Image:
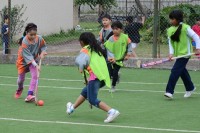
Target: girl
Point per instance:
(31, 45)
(180, 36)
(91, 59)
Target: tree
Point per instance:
(16, 21)
(138, 3)
(103, 4)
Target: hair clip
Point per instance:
(181, 23)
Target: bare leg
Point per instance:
(79, 101)
(104, 106)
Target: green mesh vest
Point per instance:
(184, 46)
(99, 66)
(118, 48)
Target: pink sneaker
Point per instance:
(30, 98)
(18, 93)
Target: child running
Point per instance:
(118, 49)
(180, 36)
(106, 31)
(132, 29)
(91, 60)
(32, 47)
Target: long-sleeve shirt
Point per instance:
(190, 34)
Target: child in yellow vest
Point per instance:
(119, 48)
(91, 60)
(180, 37)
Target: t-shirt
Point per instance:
(133, 31)
(196, 29)
(5, 37)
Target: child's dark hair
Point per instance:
(178, 15)
(89, 38)
(106, 16)
(6, 17)
(129, 19)
(29, 27)
(117, 24)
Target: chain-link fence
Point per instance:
(61, 23)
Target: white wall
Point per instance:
(49, 15)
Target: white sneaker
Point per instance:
(112, 116)
(70, 108)
(168, 95)
(112, 89)
(189, 93)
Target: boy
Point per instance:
(5, 36)
(118, 49)
(106, 31)
(132, 29)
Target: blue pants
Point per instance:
(179, 70)
(90, 92)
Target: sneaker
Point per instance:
(30, 98)
(70, 108)
(168, 95)
(112, 89)
(18, 93)
(189, 93)
(112, 116)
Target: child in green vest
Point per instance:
(180, 37)
(91, 60)
(118, 49)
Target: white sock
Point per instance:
(111, 111)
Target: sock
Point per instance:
(30, 92)
(111, 111)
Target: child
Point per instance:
(196, 29)
(118, 49)
(91, 60)
(106, 31)
(31, 47)
(5, 32)
(132, 29)
(179, 36)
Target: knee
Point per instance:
(94, 102)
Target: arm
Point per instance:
(171, 49)
(143, 20)
(82, 61)
(28, 57)
(194, 36)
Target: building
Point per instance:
(50, 16)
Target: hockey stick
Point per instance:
(153, 63)
(36, 89)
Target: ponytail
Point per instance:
(176, 36)
(89, 38)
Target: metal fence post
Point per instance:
(9, 25)
(155, 30)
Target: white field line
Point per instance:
(99, 125)
(63, 80)
(76, 88)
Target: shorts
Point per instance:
(134, 45)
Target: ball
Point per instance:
(40, 103)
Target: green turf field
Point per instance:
(139, 99)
